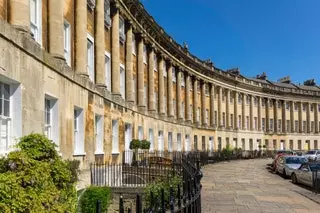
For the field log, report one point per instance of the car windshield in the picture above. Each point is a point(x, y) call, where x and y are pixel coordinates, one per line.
point(314, 167)
point(294, 160)
point(311, 152)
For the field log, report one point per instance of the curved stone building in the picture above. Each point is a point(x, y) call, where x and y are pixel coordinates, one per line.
point(94, 74)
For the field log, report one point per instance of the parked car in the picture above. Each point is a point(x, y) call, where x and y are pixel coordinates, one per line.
point(277, 156)
point(287, 164)
point(303, 175)
point(313, 155)
point(283, 151)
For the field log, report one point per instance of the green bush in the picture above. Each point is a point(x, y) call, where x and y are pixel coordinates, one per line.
point(144, 144)
point(36, 179)
point(226, 152)
point(88, 200)
point(134, 144)
point(155, 189)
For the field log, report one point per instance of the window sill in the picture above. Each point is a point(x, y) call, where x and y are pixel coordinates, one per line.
point(79, 154)
point(99, 153)
point(115, 153)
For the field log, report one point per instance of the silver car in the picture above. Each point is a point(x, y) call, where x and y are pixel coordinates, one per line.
point(304, 174)
point(313, 155)
point(287, 164)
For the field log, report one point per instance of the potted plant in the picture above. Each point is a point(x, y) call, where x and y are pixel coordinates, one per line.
point(135, 145)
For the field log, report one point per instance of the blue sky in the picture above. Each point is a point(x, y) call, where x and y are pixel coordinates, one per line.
point(279, 37)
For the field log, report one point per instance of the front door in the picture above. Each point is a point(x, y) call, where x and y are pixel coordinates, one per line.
point(127, 140)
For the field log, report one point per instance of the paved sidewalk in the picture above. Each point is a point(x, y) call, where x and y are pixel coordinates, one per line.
point(247, 186)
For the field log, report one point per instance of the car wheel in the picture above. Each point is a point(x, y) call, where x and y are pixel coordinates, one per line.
point(294, 178)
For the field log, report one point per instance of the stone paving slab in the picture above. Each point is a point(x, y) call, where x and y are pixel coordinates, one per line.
point(247, 186)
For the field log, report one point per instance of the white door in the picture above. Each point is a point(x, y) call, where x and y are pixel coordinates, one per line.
point(151, 139)
point(170, 141)
point(211, 144)
point(179, 142)
point(187, 143)
point(160, 141)
point(128, 138)
point(281, 145)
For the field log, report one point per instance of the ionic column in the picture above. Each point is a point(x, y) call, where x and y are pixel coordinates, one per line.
point(308, 117)
point(56, 39)
point(81, 38)
point(316, 118)
point(178, 84)
point(20, 14)
point(203, 102)
point(170, 93)
point(141, 103)
point(187, 97)
point(292, 124)
point(161, 86)
point(220, 106)
point(259, 113)
point(236, 97)
point(244, 111)
point(212, 105)
point(228, 108)
point(300, 117)
point(151, 80)
point(284, 117)
point(115, 59)
point(99, 44)
point(129, 65)
point(251, 113)
point(275, 112)
point(195, 100)
point(267, 115)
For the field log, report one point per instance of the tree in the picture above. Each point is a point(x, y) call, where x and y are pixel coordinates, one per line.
point(34, 178)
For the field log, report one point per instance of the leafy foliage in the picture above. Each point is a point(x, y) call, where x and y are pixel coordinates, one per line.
point(226, 152)
point(36, 179)
point(155, 189)
point(88, 201)
point(139, 144)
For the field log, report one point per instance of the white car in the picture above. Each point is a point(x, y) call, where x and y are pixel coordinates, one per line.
point(313, 155)
point(287, 164)
point(305, 174)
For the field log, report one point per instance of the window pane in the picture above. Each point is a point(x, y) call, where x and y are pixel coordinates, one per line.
point(6, 92)
point(6, 108)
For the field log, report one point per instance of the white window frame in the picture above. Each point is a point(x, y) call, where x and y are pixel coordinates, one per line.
point(115, 136)
point(179, 142)
point(67, 41)
point(122, 81)
point(134, 45)
point(122, 32)
point(99, 133)
point(38, 19)
point(52, 128)
point(140, 133)
point(145, 54)
point(170, 142)
point(183, 81)
point(107, 68)
point(90, 67)
point(78, 129)
point(107, 12)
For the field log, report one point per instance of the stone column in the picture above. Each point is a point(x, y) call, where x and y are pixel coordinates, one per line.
point(170, 93)
point(228, 108)
point(187, 97)
point(151, 80)
point(308, 117)
point(259, 113)
point(161, 86)
point(292, 117)
point(316, 118)
point(236, 97)
point(20, 14)
point(195, 100)
point(115, 58)
point(99, 44)
point(267, 115)
point(251, 113)
point(141, 102)
point(56, 23)
point(220, 106)
point(81, 38)
point(178, 101)
point(129, 65)
point(300, 117)
point(275, 112)
point(244, 111)
point(203, 103)
point(212, 106)
point(284, 117)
